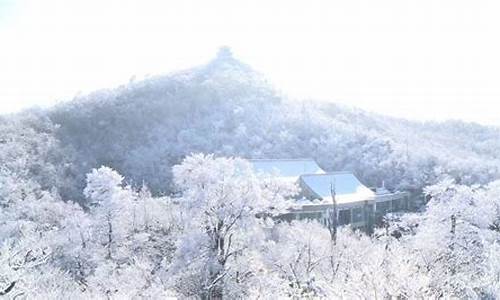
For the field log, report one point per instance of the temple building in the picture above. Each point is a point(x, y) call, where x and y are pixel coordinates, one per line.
point(357, 205)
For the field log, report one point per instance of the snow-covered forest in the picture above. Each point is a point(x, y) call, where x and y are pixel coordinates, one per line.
point(145, 191)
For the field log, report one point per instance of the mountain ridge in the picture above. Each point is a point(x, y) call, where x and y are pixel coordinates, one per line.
point(225, 107)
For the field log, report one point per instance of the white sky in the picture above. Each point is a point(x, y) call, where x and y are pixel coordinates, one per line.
point(422, 59)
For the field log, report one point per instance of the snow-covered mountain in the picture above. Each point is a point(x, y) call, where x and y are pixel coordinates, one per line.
point(225, 107)
point(205, 241)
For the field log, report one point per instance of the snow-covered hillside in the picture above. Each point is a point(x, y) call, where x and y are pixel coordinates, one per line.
point(143, 191)
point(226, 108)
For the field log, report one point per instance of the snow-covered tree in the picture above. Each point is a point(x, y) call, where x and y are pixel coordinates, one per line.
point(111, 205)
point(294, 254)
point(224, 205)
point(132, 238)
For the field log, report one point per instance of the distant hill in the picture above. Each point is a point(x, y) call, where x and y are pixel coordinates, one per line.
point(141, 129)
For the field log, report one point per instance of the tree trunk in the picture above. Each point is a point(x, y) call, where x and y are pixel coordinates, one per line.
point(215, 290)
point(333, 222)
point(453, 224)
point(110, 236)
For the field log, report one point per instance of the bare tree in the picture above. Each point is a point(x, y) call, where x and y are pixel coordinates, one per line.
point(332, 221)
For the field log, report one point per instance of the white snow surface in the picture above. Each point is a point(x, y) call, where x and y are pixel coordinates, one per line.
point(347, 187)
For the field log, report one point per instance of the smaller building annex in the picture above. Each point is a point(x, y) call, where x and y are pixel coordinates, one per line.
point(355, 202)
point(357, 205)
point(347, 188)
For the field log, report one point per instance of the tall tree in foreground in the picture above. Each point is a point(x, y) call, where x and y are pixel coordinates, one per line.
point(295, 256)
point(110, 205)
point(222, 197)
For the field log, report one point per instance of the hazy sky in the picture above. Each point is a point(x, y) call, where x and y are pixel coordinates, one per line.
point(422, 59)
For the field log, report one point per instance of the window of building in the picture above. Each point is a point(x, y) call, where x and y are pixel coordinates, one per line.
point(357, 215)
point(398, 204)
point(309, 216)
point(345, 217)
point(383, 207)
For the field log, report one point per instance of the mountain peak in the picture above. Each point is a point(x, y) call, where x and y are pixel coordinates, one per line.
point(225, 57)
point(225, 64)
point(224, 53)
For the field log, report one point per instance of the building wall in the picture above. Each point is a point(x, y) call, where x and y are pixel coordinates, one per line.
point(391, 203)
point(363, 215)
point(358, 216)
